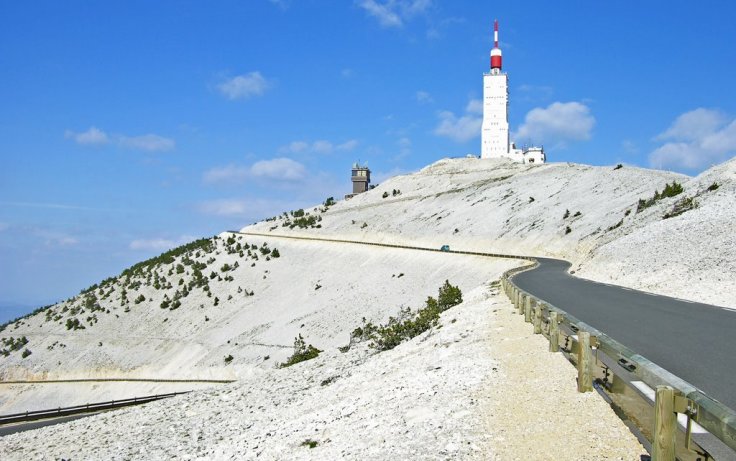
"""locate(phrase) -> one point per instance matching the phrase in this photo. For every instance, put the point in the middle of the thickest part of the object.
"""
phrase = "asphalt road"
(696, 342)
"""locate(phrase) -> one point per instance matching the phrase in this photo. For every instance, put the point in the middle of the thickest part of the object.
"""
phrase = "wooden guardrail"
(625, 377)
(630, 381)
(80, 409)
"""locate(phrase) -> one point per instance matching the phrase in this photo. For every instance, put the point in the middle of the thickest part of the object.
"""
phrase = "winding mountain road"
(695, 341)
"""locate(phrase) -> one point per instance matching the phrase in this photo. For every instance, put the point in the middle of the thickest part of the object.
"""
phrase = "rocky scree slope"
(606, 220)
(217, 308)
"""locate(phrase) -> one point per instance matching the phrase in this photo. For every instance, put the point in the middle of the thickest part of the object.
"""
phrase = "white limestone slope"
(441, 395)
(499, 206)
(319, 291)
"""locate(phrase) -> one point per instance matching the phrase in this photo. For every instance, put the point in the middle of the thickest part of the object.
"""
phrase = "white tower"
(495, 128)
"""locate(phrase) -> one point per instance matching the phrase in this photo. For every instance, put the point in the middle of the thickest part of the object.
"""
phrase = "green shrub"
(670, 190)
(179, 269)
(617, 225)
(310, 443)
(567, 230)
(618, 167)
(713, 187)
(302, 352)
(329, 202)
(385, 194)
(566, 215)
(228, 359)
(275, 253)
(686, 204)
(26, 353)
(408, 324)
(139, 299)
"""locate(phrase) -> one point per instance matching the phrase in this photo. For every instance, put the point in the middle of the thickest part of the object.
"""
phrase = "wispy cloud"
(281, 169)
(461, 128)
(229, 173)
(557, 123)
(320, 146)
(54, 238)
(92, 137)
(247, 208)
(283, 4)
(394, 13)
(148, 142)
(159, 244)
(244, 86)
(96, 137)
(277, 169)
(423, 97)
(54, 206)
(696, 140)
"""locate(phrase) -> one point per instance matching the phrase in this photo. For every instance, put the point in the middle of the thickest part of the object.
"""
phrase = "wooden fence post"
(538, 318)
(663, 444)
(585, 359)
(528, 311)
(522, 300)
(554, 332)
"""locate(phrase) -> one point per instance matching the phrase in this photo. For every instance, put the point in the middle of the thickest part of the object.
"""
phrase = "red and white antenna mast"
(496, 51)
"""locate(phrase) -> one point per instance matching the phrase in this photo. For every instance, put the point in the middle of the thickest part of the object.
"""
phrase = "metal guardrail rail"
(80, 409)
(653, 401)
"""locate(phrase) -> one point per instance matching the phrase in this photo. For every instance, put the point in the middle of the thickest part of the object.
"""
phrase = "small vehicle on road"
(445, 248)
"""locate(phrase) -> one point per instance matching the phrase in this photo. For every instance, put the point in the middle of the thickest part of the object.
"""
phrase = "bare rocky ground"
(479, 387)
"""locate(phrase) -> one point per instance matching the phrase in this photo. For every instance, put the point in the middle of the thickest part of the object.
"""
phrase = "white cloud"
(53, 238)
(629, 146)
(320, 146)
(97, 137)
(247, 208)
(279, 168)
(693, 125)
(460, 129)
(475, 106)
(148, 142)
(159, 244)
(280, 3)
(393, 13)
(244, 86)
(557, 123)
(423, 97)
(229, 173)
(696, 140)
(347, 146)
(92, 137)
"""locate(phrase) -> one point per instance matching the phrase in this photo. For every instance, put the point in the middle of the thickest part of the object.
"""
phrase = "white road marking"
(681, 419)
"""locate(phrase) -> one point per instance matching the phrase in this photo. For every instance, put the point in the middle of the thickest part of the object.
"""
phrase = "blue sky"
(130, 127)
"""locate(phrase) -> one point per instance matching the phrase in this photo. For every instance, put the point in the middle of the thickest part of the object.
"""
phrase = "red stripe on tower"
(496, 51)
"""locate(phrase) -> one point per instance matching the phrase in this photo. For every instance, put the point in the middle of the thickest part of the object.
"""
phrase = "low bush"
(686, 204)
(670, 190)
(302, 352)
(407, 324)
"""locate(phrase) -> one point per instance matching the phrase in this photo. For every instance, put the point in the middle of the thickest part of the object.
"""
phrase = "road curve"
(695, 341)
